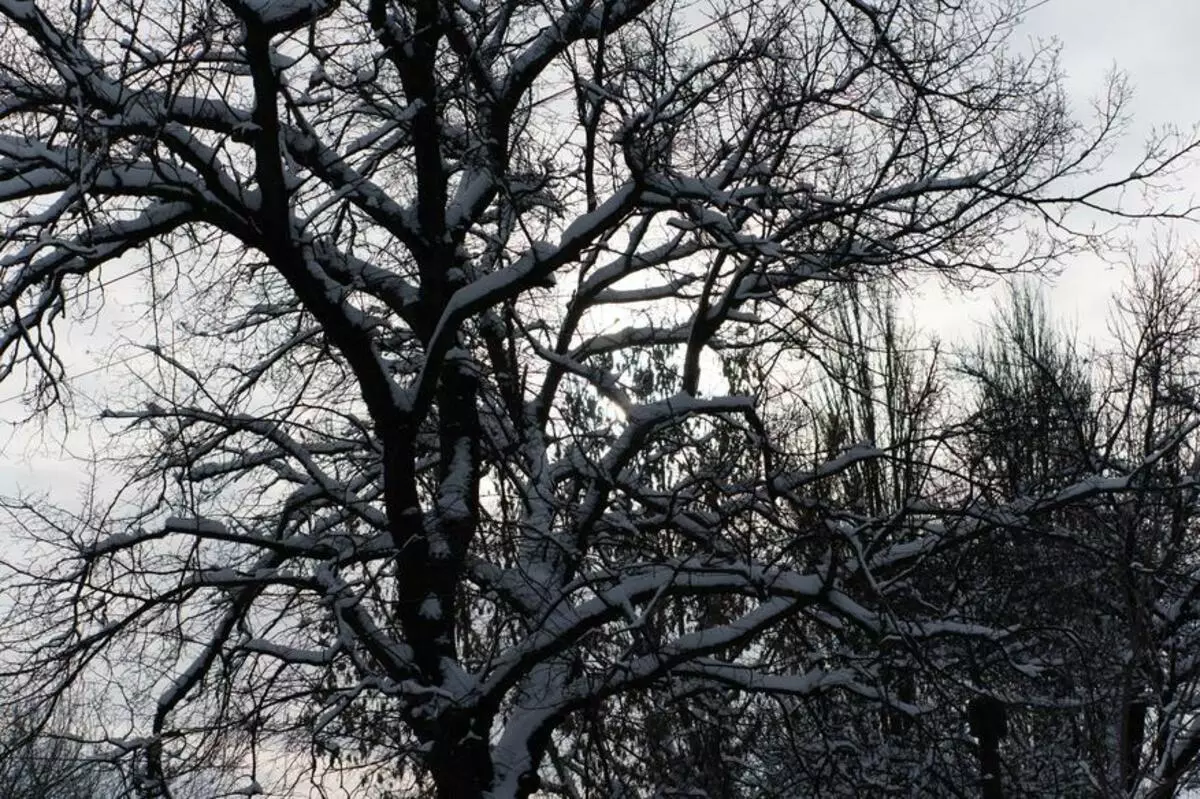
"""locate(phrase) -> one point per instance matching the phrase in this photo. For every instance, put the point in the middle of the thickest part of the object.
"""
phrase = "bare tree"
(1151, 533)
(39, 761)
(419, 455)
(1031, 429)
(1111, 581)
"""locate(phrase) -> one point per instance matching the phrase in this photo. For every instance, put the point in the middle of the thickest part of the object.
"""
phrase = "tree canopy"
(513, 411)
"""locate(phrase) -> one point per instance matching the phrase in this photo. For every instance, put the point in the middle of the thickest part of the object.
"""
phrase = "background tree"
(1106, 581)
(1032, 429)
(1150, 533)
(51, 762)
(874, 383)
(392, 499)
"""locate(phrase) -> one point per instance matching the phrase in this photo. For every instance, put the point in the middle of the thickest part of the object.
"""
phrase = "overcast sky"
(1153, 41)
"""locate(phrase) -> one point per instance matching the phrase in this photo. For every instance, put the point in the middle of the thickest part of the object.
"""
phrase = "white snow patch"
(195, 524)
(276, 12)
(431, 608)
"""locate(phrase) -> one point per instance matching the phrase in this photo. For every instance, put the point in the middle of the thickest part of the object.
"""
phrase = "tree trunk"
(460, 760)
(1133, 733)
(989, 764)
(988, 721)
